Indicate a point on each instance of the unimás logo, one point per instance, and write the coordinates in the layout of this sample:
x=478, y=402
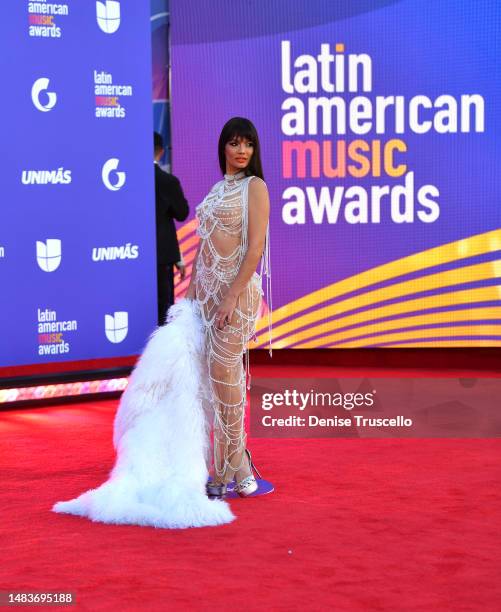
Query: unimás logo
x=116, y=326
x=46, y=177
x=109, y=168
x=49, y=254
x=41, y=86
x=108, y=16
x=127, y=251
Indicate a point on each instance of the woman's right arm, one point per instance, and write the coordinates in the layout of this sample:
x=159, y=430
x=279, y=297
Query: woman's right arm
x=190, y=293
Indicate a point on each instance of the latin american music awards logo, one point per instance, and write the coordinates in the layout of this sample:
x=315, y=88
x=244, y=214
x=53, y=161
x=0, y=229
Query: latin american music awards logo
x=108, y=16
x=43, y=99
x=52, y=339
x=42, y=18
x=109, y=95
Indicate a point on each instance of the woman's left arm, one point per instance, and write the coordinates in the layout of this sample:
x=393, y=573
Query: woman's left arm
x=258, y=215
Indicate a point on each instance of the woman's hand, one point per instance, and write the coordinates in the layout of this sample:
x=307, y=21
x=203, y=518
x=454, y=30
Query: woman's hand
x=191, y=293
x=225, y=310
x=182, y=269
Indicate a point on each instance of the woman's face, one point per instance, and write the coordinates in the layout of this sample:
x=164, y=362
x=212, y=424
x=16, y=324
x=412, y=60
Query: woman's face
x=238, y=152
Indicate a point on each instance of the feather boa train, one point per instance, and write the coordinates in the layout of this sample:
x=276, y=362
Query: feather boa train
x=161, y=435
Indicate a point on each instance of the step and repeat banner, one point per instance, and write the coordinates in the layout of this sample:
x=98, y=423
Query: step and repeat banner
x=77, y=218
x=380, y=130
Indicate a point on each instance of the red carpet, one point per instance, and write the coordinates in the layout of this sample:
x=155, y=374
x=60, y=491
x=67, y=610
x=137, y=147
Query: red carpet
x=353, y=525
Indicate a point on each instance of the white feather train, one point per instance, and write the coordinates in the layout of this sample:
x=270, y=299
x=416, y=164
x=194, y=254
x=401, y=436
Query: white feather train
x=161, y=435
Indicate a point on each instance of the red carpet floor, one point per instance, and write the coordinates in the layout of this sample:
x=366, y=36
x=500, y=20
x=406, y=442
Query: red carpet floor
x=353, y=525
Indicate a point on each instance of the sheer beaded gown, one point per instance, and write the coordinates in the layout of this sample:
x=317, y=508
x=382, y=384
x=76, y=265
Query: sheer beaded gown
x=223, y=231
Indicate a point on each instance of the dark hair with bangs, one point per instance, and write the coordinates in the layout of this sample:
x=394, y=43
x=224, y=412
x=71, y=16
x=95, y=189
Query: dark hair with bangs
x=239, y=127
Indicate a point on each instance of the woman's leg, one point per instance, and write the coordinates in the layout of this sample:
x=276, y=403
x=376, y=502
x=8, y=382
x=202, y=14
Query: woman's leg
x=225, y=353
x=228, y=382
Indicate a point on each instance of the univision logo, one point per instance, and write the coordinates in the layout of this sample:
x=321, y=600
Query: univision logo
x=46, y=177
x=49, y=254
x=39, y=86
x=111, y=167
x=116, y=326
x=108, y=16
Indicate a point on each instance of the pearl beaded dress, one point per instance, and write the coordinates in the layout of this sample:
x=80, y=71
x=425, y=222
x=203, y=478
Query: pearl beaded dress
x=223, y=232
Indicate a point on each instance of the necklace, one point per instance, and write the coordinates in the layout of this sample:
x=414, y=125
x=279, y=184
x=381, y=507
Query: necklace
x=233, y=178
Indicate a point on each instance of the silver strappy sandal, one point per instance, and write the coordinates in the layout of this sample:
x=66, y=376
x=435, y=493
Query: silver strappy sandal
x=248, y=485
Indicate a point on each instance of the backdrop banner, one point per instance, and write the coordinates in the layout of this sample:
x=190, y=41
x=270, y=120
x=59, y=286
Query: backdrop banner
x=379, y=125
x=77, y=221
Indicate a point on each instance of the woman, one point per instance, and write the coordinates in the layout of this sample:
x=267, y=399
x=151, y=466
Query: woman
x=191, y=368
x=234, y=235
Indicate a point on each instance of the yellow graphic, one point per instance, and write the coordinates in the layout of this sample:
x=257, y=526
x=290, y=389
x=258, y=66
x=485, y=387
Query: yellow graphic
x=325, y=326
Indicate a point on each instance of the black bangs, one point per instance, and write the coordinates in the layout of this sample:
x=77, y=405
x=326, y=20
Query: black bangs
x=235, y=128
x=238, y=135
